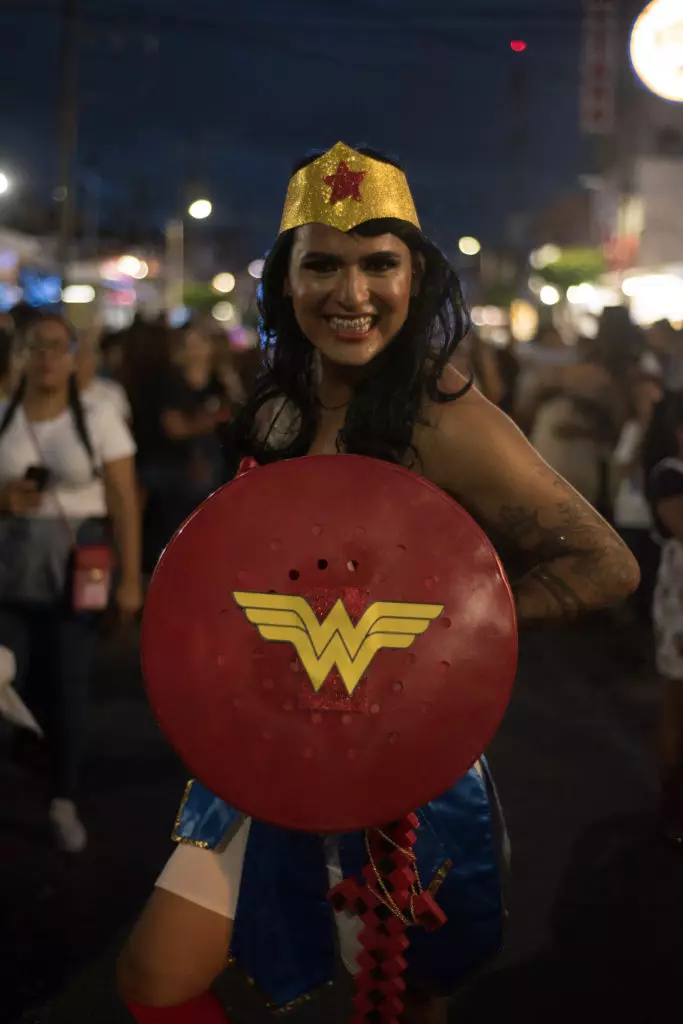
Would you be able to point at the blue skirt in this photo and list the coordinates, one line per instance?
(284, 932)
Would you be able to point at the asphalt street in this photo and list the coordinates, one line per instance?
(595, 900)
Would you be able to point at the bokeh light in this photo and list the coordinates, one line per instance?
(550, 296)
(78, 294)
(200, 209)
(469, 246)
(223, 283)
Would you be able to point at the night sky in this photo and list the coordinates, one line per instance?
(227, 96)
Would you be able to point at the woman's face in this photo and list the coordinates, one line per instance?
(351, 294)
(51, 357)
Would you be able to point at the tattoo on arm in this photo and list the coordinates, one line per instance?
(579, 563)
(565, 602)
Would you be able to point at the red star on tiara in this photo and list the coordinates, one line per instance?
(345, 183)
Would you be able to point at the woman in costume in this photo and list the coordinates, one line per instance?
(361, 315)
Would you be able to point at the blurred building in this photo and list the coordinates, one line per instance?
(637, 195)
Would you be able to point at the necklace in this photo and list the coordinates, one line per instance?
(332, 408)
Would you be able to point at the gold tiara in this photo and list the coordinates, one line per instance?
(343, 189)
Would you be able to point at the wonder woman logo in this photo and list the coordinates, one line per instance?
(336, 642)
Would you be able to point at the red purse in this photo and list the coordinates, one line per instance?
(93, 566)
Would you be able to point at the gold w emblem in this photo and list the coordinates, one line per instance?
(336, 641)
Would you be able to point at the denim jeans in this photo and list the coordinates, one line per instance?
(54, 649)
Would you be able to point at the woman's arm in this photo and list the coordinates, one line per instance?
(124, 511)
(577, 563)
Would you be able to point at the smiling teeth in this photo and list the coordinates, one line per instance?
(361, 325)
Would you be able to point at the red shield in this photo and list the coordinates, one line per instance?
(329, 643)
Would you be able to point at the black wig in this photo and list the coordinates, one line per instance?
(388, 402)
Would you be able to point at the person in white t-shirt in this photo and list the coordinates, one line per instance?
(66, 467)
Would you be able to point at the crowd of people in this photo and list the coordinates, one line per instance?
(129, 428)
(106, 444)
(607, 414)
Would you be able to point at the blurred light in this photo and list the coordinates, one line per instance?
(655, 297)
(549, 295)
(588, 325)
(536, 284)
(523, 320)
(131, 266)
(122, 297)
(200, 209)
(223, 283)
(109, 270)
(581, 294)
(657, 49)
(630, 286)
(5, 183)
(242, 339)
(255, 269)
(478, 316)
(544, 256)
(223, 312)
(518, 45)
(10, 295)
(78, 293)
(494, 316)
(469, 246)
(179, 316)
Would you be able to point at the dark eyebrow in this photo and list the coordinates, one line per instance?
(382, 253)
(322, 256)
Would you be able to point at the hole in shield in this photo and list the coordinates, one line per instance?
(294, 574)
(322, 563)
(352, 566)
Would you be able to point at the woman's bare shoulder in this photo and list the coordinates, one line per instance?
(468, 443)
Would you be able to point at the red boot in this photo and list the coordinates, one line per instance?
(204, 1010)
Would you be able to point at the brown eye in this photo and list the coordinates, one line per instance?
(320, 266)
(380, 264)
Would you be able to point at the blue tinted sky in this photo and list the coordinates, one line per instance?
(174, 91)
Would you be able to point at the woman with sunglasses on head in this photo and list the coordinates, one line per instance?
(66, 468)
(361, 315)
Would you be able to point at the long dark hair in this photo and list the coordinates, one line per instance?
(388, 402)
(661, 438)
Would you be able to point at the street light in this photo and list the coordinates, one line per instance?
(657, 49)
(5, 183)
(469, 246)
(200, 209)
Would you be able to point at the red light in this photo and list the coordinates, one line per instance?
(518, 45)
